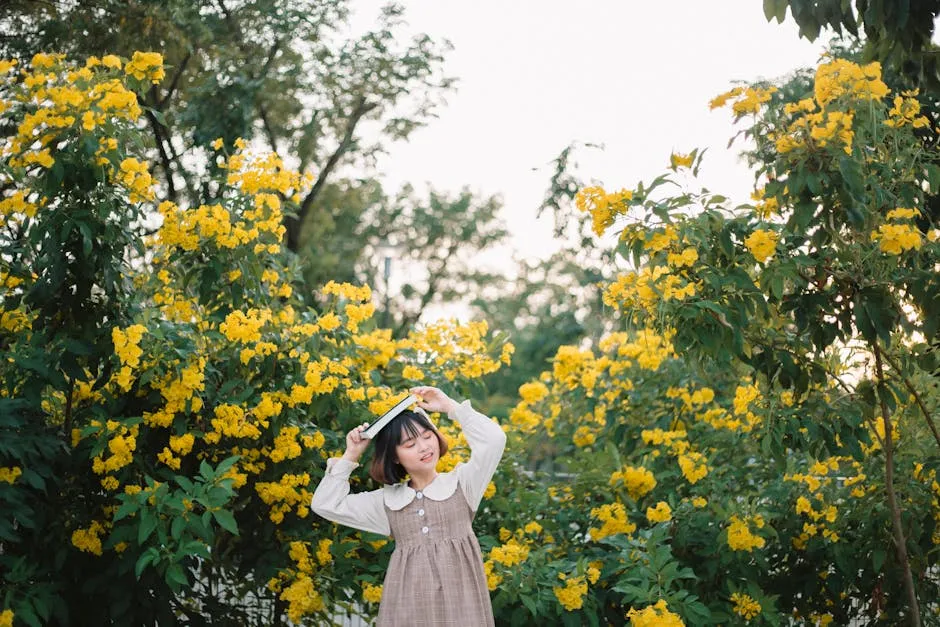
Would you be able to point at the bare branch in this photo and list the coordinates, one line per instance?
(917, 398)
(164, 157)
(293, 224)
(161, 105)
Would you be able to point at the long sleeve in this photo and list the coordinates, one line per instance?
(487, 443)
(332, 500)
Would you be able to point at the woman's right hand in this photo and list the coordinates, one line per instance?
(355, 443)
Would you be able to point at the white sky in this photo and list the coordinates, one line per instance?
(535, 75)
(636, 76)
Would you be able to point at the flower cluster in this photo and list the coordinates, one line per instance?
(603, 207)
(656, 615)
(897, 237)
(571, 595)
(740, 536)
(614, 519)
(745, 606)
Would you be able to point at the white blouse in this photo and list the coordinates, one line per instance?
(366, 510)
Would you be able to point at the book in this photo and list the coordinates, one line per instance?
(373, 429)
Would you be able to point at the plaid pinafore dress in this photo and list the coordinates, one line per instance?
(435, 576)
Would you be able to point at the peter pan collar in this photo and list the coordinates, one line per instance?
(400, 495)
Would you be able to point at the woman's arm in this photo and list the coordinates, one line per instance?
(332, 500)
(485, 437)
(487, 442)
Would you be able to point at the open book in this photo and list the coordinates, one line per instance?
(373, 429)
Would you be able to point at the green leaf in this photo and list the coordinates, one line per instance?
(226, 520)
(529, 602)
(184, 483)
(770, 9)
(177, 527)
(127, 508)
(148, 522)
(176, 575)
(878, 559)
(149, 556)
(226, 464)
(933, 178)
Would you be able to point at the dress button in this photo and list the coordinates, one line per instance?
(424, 529)
(419, 495)
(420, 512)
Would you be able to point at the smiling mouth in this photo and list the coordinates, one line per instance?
(427, 457)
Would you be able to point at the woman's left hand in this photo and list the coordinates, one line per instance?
(433, 400)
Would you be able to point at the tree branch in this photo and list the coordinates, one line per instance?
(268, 129)
(917, 398)
(293, 223)
(164, 157)
(161, 105)
(899, 540)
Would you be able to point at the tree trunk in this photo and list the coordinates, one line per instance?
(899, 539)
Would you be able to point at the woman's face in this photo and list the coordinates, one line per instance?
(418, 453)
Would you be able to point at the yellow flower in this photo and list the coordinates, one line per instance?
(584, 436)
(533, 392)
(678, 160)
(593, 574)
(217, 143)
(533, 528)
(614, 517)
(657, 615)
(302, 598)
(490, 490)
(740, 537)
(745, 606)
(902, 214)
(661, 513)
(89, 540)
(720, 100)
(6, 618)
(762, 244)
(371, 593)
(894, 239)
(571, 595)
(637, 480)
(699, 502)
(693, 466)
(146, 66)
(510, 553)
(410, 372)
(492, 579)
(9, 474)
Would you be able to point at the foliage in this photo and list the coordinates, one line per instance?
(284, 74)
(898, 34)
(758, 441)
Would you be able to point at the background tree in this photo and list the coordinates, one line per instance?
(899, 33)
(275, 72)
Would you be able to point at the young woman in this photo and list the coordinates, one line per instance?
(435, 575)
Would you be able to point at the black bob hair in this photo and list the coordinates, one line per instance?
(408, 424)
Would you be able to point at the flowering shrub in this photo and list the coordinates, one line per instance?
(167, 402)
(759, 440)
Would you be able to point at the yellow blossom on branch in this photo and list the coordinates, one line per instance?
(571, 595)
(745, 606)
(656, 615)
(661, 513)
(895, 239)
(762, 244)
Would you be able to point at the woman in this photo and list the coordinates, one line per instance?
(435, 575)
